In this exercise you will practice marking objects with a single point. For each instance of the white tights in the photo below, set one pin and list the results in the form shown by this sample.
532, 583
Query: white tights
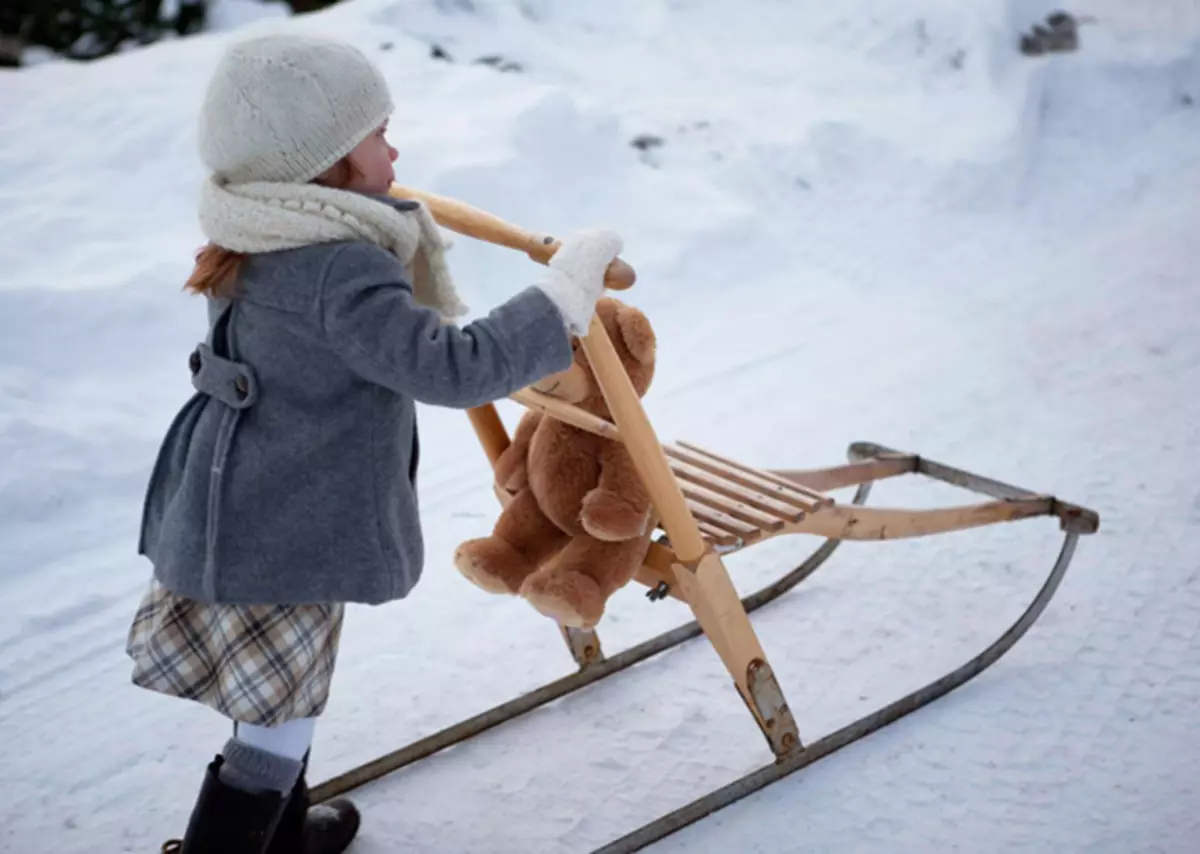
291, 738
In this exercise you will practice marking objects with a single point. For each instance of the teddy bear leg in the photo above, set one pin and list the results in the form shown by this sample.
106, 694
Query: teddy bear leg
521, 541
574, 586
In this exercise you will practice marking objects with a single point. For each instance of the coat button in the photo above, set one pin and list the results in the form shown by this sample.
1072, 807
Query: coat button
242, 387
194, 362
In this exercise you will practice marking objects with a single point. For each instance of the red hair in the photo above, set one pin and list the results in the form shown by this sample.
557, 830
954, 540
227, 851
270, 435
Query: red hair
217, 268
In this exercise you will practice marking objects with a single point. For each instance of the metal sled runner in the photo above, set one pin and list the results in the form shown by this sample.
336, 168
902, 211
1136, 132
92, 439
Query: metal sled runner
709, 506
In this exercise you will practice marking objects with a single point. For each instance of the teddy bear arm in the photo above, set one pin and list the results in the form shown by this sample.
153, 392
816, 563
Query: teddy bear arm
619, 475
511, 470
619, 507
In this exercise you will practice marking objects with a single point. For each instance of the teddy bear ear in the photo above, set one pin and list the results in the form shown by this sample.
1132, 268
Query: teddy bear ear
637, 333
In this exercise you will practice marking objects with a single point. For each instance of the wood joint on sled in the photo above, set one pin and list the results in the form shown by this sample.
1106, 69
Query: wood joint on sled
584, 645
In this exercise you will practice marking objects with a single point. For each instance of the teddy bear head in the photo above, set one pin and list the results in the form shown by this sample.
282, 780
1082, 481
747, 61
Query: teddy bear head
633, 339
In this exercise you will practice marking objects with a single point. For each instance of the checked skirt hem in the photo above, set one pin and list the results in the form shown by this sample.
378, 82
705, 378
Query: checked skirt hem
257, 664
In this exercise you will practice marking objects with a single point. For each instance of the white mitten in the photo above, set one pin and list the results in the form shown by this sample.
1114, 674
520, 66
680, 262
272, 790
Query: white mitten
575, 279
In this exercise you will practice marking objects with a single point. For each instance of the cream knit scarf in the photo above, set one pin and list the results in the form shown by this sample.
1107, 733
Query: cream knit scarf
265, 217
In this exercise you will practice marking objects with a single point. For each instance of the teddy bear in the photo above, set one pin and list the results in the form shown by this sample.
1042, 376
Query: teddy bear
578, 522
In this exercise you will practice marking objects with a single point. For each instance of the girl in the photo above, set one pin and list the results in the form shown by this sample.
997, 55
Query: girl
284, 487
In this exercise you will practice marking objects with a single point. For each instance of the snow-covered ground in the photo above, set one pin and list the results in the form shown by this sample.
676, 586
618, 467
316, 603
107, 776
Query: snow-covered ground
871, 219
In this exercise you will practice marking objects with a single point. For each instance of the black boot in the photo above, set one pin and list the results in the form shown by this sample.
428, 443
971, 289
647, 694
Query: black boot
322, 829
227, 820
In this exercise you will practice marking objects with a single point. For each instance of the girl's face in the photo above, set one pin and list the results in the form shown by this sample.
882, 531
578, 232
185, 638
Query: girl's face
372, 160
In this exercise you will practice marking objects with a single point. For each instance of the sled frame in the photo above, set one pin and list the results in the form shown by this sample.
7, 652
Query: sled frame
707, 507
664, 572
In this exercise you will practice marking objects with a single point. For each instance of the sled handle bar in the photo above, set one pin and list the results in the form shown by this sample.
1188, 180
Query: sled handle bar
460, 217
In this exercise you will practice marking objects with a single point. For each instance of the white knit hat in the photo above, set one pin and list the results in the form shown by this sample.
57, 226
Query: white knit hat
287, 107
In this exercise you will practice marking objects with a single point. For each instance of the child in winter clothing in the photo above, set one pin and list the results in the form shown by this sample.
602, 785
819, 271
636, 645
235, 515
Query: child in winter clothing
285, 486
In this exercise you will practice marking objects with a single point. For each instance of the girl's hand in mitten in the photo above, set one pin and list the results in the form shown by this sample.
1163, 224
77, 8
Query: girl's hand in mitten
575, 279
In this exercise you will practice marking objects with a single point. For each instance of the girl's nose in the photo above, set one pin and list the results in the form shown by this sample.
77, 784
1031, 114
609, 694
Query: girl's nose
393, 153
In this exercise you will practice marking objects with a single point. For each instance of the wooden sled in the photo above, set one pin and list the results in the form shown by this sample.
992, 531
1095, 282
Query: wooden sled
709, 506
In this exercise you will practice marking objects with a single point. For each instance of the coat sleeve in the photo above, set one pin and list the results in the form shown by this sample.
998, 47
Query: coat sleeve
372, 321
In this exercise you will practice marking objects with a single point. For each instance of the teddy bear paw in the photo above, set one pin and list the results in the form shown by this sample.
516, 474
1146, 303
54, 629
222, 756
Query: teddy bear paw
609, 517
492, 565
564, 595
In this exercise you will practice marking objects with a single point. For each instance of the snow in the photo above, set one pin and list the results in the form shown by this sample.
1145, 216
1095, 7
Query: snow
227, 15
867, 220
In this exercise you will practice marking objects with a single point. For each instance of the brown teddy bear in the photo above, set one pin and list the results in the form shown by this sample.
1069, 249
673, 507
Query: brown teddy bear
579, 523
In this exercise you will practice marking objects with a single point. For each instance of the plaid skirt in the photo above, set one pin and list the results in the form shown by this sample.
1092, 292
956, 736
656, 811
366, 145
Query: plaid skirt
257, 664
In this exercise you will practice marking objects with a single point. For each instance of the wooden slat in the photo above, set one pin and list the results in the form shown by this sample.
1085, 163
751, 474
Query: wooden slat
733, 527
820, 498
717, 536
746, 495
568, 413
735, 509
787, 494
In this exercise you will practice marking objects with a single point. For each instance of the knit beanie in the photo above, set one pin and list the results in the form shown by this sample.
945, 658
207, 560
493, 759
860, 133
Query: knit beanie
285, 108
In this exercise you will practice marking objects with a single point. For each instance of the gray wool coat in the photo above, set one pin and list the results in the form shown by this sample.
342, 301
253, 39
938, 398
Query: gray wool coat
289, 476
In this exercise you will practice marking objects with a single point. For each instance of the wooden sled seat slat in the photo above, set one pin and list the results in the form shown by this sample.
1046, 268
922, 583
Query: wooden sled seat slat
819, 499
716, 536
772, 509
767, 485
727, 525
730, 507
